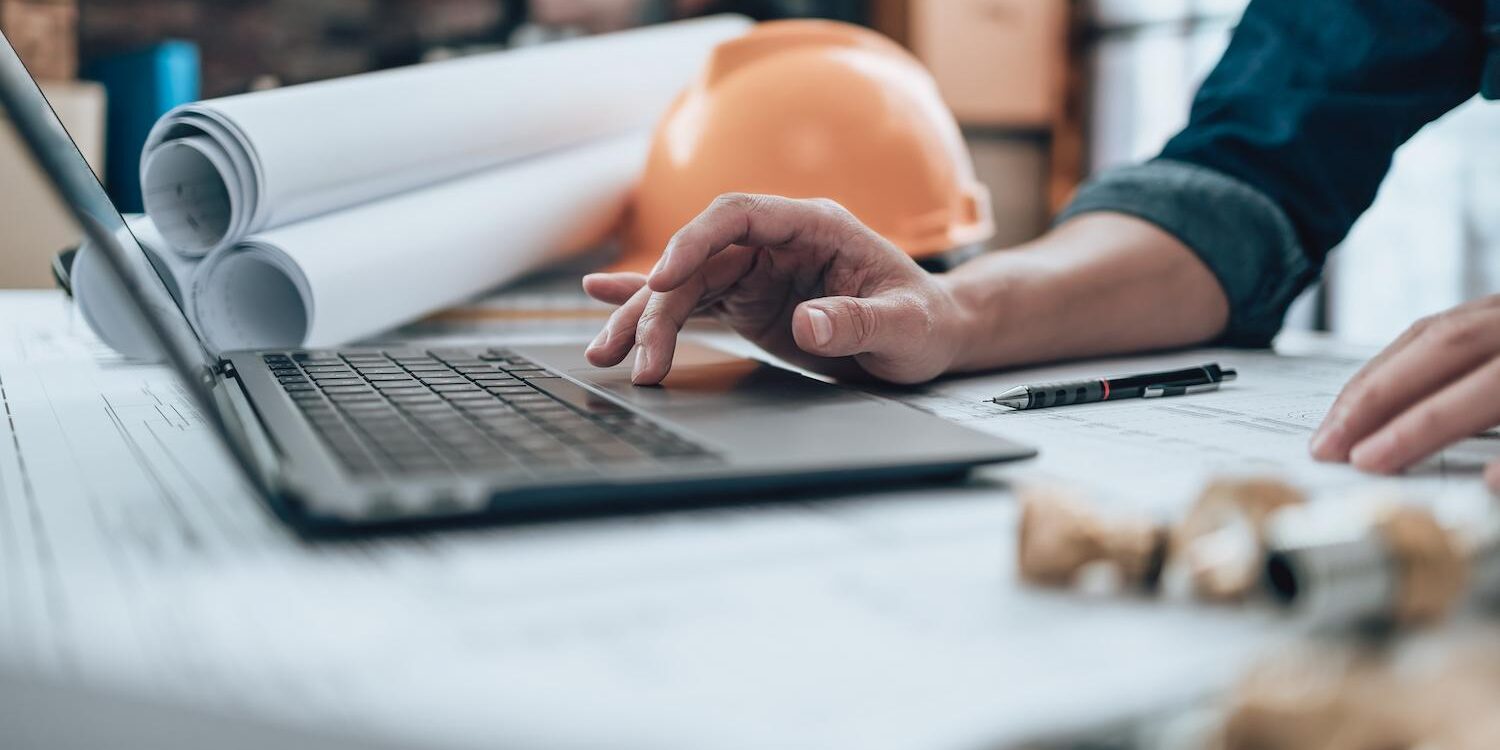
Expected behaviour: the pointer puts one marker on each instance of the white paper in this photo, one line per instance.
(103, 302)
(1154, 453)
(215, 172)
(363, 270)
(132, 558)
(136, 560)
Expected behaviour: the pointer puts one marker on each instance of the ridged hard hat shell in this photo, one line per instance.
(813, 109)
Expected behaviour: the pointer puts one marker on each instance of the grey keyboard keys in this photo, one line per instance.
(415, 412)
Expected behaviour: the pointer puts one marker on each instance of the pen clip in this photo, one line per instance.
(1159, 391)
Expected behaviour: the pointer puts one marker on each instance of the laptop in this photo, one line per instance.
(334, 439)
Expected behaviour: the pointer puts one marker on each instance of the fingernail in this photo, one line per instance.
(601, 339)
(1321, 441)
(1326, 439)
(642, 363)
(822, 326)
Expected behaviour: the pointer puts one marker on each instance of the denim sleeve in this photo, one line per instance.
(1292, 133)
(1238, 232)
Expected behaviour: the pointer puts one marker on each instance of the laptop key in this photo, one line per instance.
(400, 387)
(496, 378)
(413, 413)
(327, 382)
(510, 390)
(444, 380)
(455, 388)
(359, 387)
(410, 401)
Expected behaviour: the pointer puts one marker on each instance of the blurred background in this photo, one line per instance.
(1048, 92)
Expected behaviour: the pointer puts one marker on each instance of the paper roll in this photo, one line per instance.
(357, 272)
(215, 172)
(102, 300)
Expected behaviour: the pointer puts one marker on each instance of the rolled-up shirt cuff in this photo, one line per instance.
(1239, 233)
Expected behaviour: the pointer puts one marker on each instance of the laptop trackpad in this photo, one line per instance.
(704, 378)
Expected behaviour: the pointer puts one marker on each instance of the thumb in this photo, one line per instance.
(846, 326)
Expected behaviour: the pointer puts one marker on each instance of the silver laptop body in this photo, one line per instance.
(362, 436)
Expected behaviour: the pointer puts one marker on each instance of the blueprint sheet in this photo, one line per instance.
(1153, 453)
(133, 558)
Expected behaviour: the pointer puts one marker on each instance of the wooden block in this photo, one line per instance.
(1015, 168)
(998, 62)
(44, 34)
(34, 225)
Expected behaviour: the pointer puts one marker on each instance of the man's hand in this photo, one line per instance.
(803, 279)
(1437, 384)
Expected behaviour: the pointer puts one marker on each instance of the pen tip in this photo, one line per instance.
(1015, 398)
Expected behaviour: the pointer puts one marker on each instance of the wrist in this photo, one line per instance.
(1098, 284)
(982, 302)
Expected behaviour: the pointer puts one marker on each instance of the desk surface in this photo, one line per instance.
(133, 559)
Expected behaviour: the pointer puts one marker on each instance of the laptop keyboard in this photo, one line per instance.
(443, 411)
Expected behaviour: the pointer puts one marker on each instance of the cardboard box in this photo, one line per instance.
(1015, 168)
(999, 63)
(45, 35)
(34, 225)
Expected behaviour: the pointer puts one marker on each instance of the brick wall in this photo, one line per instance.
(290, 40)
(43, 34)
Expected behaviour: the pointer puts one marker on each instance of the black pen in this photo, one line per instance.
(1150, 385)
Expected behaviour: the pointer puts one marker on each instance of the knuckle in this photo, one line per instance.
(841, 229)
(623, 324)
(648, 319)
(1425, 323)
(1362, 399)
(829, 206)
(862, 319)
(923, 319)
(737, 202)
(677, 236)
(1455, 331)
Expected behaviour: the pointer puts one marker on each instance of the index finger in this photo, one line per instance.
(1332, 441)
(757, 220)
(1437, 355)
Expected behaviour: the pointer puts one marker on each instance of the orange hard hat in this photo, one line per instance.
(813, 109)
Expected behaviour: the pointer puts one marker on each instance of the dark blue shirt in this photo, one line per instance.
(1292, 133)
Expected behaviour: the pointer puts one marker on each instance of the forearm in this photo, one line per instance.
(1101, 283)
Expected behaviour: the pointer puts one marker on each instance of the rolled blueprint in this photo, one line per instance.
(215, 172)
(103, 302)
(359, 271)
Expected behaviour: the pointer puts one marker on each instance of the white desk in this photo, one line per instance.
(133, 560)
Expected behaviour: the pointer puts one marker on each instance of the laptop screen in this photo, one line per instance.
(58, 156)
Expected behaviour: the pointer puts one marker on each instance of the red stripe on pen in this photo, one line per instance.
(1105, 383)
